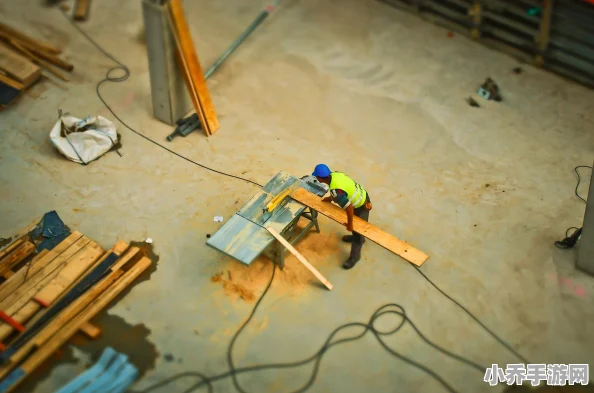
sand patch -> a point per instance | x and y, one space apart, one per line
247 282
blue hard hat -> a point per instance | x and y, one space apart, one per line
321 171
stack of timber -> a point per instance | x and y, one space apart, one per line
47 297
22 61
555 34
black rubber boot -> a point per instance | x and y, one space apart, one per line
350 239
354 257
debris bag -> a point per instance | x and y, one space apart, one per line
84 140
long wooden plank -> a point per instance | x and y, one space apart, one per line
68 275
54 342
371 232
38 263
17 256
31 41
30 287
300 257
18 67
192 70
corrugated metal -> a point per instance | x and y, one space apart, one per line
564 45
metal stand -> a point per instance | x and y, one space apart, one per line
276 251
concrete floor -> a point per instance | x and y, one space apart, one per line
373 92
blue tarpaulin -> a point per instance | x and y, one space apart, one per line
51 229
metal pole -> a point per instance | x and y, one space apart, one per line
238 41
586 251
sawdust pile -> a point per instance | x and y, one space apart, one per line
248 282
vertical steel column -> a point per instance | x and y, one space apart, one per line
168 91
586 251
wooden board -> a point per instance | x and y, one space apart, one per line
300 257
72 324
191 69
15 34
89 330
81 9
25 292
10 248
37 60
39 262
18 67
24 308
69 274
21 253
371 232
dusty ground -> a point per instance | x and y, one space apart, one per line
370 91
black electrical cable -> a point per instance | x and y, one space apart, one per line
569 242
109 77
399 310
579 180
386 309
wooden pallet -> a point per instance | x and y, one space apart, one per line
53 294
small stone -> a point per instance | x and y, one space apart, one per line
169 357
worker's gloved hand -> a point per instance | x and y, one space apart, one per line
349 227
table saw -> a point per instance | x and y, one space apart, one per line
244 237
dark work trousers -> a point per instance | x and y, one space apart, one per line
359 239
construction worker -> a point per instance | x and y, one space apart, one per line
353 198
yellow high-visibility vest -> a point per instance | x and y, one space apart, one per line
356 194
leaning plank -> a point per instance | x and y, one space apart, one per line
300 257
39 262
68 275
371 232
18 67
31 41
17 256
30 287
54 342
191 69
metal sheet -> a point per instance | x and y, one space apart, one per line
243 237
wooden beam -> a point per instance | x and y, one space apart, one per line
39 262
17 256
9 31
18 67
72 324
29 288
37 60
300 257
91 331
11 246
81 9
73 270
371 232
191 69
542 39
27 306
